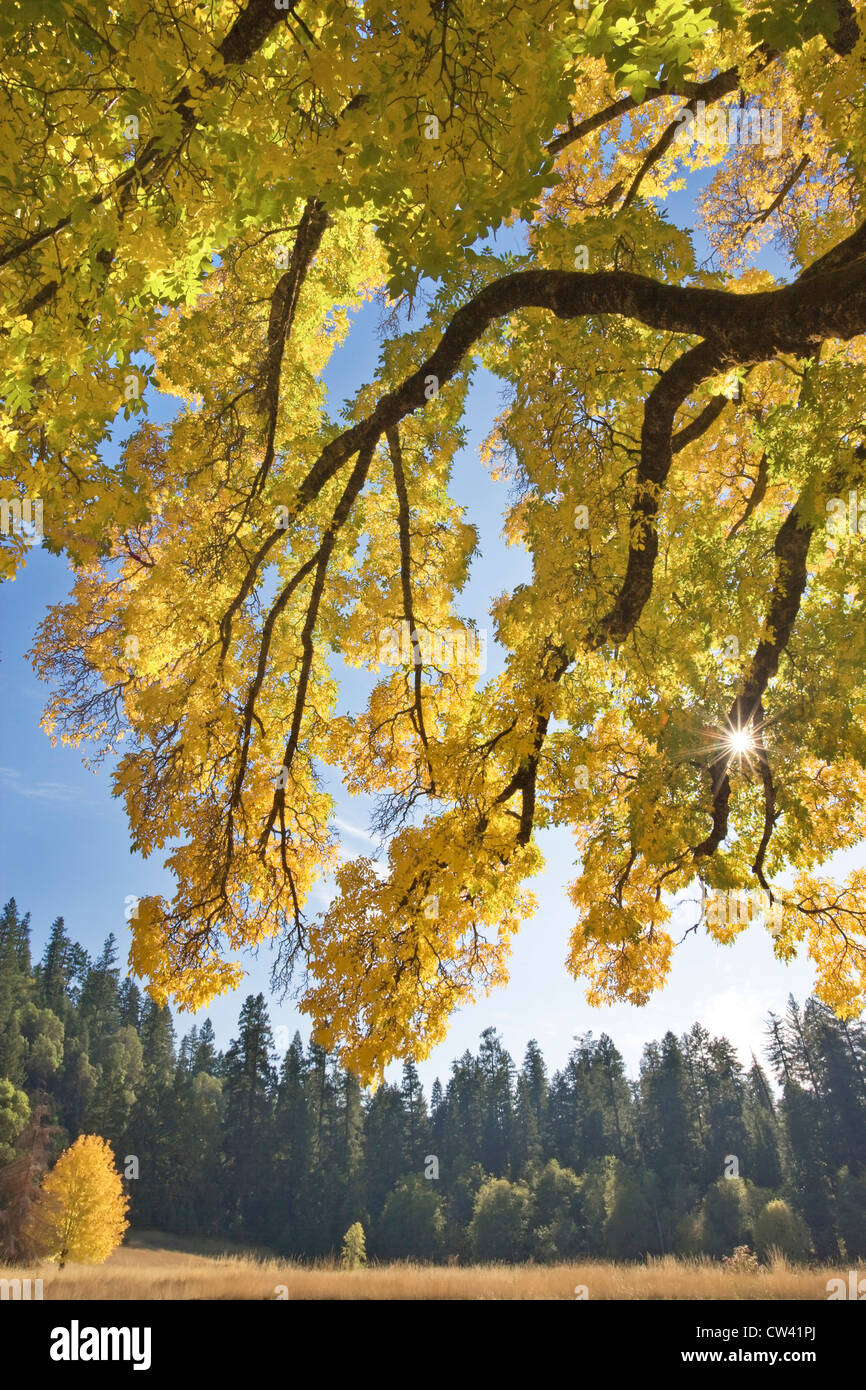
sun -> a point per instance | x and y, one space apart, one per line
736 744
741 742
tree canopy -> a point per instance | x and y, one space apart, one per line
80 1213
192 199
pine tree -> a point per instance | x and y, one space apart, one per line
292 1150
384 1146
63 965
249 1086
349 1148
763 1130
153 1119
497 1134
668 1135
207 1057
99 1006
129 1004
531 1106
15 989
14 940
841 1086
416 1119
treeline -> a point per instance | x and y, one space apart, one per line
505 1162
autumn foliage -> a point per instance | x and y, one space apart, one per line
79 1214
683 676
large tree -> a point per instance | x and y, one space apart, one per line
683 678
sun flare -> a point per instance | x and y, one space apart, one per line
741 742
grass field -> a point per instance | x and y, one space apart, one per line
154 1266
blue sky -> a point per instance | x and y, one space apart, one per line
65 842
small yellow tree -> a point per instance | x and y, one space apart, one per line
354 1252
80 1213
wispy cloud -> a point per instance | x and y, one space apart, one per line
21 784
351 829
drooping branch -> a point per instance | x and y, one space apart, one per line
791 548
341 513
556 662
770 813
317 564
738 343
756 496
284 303
393 437
558 659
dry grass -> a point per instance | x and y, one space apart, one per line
147 1268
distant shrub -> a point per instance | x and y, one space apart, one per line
779 1228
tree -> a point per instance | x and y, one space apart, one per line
415 1112
668 1126
412 1222
499 1229
207 1057
353 1254
558 1216
684 446
851 1207
80 1213
533 1095
765 1159
249 1084
14 990
780 1230
117 1083
630 1229
20 1179
14 1114
42 1035
385 1145
727 1216
153 1116
497 1072
61 963
100 1002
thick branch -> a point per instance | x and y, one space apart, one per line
656 457
744 328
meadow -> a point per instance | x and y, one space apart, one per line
154 1266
